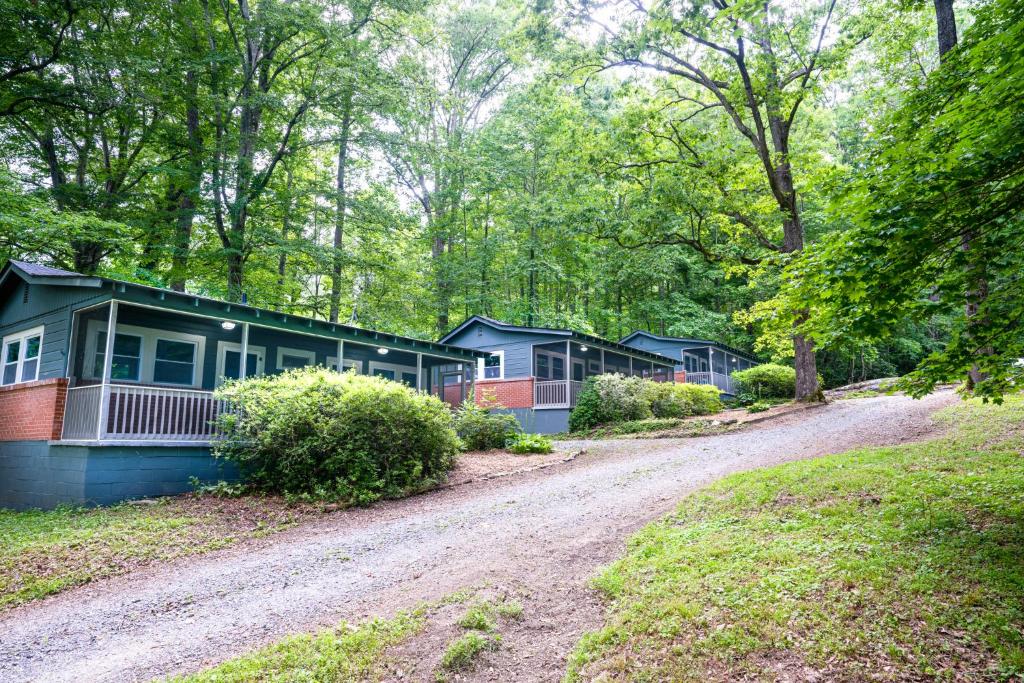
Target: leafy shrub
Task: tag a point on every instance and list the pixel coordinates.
(481, 428)
(529, 443)
(669, 400)
(768, 381)
(609, 398)
(345, 437)
(759, 406)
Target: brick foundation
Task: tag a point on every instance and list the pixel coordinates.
(680, 376)
(33, 411)
(511, 393)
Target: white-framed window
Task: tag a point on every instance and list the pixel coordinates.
(397, 373)
(549, 365)
(19, 356)
(229, 360)
(291, 359)
(145, 355)
(348, 364)
(492, 367)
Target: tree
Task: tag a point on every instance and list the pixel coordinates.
(755, 64)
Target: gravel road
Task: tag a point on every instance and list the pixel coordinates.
(545, 532)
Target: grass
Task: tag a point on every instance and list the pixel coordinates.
(345, 653)
(45, 552)
(888, 564)
(462, 652)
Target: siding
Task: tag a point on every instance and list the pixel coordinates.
(51, 307)
(517, 346)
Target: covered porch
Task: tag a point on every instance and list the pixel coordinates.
(714, 366)
(153, 380)
(561, 367)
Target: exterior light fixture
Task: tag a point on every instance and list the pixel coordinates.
(382, 351)
(584, 348)
(228, 325)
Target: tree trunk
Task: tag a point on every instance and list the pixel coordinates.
(946, 21)
(187, 201)
(341, 207)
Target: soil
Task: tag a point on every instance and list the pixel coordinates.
(539, 534)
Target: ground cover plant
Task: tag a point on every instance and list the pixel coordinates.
(45, 552)
(897, 563)
(523, 444)
(341, 436)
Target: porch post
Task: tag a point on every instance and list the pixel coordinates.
(568, 371)
(419, 370)
(603, 369)
(472, 379)
(630, 366)
(341, 353)
(711, 366)
(108, 356)
(243, 361)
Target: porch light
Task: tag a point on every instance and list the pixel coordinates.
(382, 351)
(228, 325)
(584, 348)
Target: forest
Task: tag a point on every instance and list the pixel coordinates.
(831, 183)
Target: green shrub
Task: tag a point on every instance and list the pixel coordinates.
(767, 381)
(529, 443)
(481, 428)
(344, 437)
(759, 407)
(670, 400)
(609, 398)
(462, 652)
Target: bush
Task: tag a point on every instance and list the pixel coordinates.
(481, 428)
(669, 400)
(346, 437)
(768, 381)
(530, 443)
(759, 407)
(609, 398)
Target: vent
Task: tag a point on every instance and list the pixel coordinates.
(24, 294)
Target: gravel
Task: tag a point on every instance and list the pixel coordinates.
(544, 532)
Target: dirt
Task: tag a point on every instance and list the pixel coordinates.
(540, 534)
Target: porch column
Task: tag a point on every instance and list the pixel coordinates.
(419, 371)
(603, 369)
(243, 361)
(108, 357)
(711, 366)
(472, 379)
(568, 370)
(631, 366)
(341, 353)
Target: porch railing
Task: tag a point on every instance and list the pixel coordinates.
(137, 413)
(724, 382)
(559, 393)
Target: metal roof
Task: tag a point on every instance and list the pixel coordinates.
(187, 303)
(573, 334)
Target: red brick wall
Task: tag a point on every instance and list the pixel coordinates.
(511, 393)
(680, 375)
(33, 411)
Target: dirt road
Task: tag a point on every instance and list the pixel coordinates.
(540, 534)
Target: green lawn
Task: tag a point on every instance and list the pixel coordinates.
(44, 552)
(888, 564)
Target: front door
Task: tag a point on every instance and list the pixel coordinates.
(578, 370)
(451, 387)
(229, 356)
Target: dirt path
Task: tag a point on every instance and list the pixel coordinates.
(540, 535)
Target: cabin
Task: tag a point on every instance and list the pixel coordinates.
(106, 387)
(697, 361)
(537, 372)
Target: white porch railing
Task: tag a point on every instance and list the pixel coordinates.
(138, 413)
(724, 382)
(559, 393)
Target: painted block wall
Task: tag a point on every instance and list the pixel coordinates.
(38, 474)
(548, 421)
(33, 410)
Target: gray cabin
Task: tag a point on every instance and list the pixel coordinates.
(88, 417)
(698, 361)
(537, 372)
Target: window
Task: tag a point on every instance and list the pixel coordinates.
(174, 362)
(409, 378)
(290, 359)
(126, 363)
(347, 365)
(386, 374)
(492, 367)
(543, 370)
(557, 367)
(229, 356)
(145, 355)
(20, 356)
